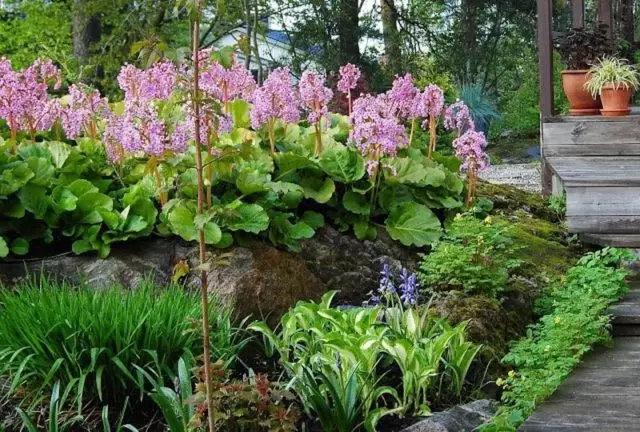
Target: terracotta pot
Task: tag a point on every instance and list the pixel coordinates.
(580, 101)
(615, 102)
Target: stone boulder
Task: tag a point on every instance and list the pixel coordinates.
(351, 266)
(463, 418)
(259, 280)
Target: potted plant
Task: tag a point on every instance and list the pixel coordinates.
(579, 49)
(614, 80)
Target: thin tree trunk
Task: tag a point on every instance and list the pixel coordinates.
(349, 31)
(390, 34)
(86, 31)
(248, 30)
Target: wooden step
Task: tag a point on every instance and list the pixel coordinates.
(617, 240)
(626, 313)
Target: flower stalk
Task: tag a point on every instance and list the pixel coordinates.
(195, 98)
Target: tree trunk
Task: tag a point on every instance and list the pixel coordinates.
(469, 23)
(389, 16)
(349, 32)
(86, 30)
(627, 25)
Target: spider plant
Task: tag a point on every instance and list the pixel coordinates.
(611, 71)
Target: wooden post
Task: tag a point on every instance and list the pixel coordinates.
(545, 58)
(577, 13)
(605, 16)
(545, 65)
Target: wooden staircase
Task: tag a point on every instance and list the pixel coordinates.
(596, 162)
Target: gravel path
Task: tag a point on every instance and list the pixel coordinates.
(523, 176)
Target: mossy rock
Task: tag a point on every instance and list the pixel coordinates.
(543, 247)
(489, 321)
(511, 199)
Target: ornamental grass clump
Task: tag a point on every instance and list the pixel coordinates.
(92, 340)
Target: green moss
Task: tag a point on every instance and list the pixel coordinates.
(510, 199)
(543, 249)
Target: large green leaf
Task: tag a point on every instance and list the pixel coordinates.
(252, 181)
(356, 203)
(13, 176)
(181, 220)
(413, 171)
(342, 164)
(246, 217)
(12, 208)
(42, 169)
(34, 198)
(413, 224)
(4, 248)
(318, 189)
(291, 162)
(212, 233)
(63, 200)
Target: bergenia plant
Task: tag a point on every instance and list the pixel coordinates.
(275, 100)
(24, 101)
(432, 100)
(457, 117)
(80, 114)
(402, 96)
(315, 97)
(224, 82)
(469, 149)
(349, 76)
(141, 128)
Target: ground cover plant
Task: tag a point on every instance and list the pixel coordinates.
(574, 319)
(97, 346)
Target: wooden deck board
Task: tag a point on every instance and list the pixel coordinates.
(603, 393)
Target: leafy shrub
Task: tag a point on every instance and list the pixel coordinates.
(90, 340)
(475, 256)
(332, 357)
(251, 404)
(554, 346)
(558, 205)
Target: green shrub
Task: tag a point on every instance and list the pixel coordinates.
(475, 256)
(96, 343)
(576, 319)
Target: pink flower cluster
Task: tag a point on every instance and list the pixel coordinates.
(469, 149)
(458, 117)
(85, 105)
(140, 128)
(315, 96)
(140, 85)
(224, 84)
(376, 130)
(403, 96)
(349, 76)
(275, 100)
(24, 101)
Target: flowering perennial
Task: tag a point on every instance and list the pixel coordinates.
(224, 84)
(349, 76)
(457, 117)
(470, 150)
(402, 96)
(24, 101)
(275, 100)
(79, 116)
(376, 130)
(315, 97)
